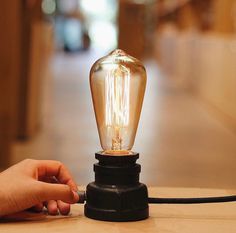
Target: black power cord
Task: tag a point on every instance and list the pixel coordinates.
(197, 200)
(163, 200)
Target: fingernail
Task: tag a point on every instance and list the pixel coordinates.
(76, 196)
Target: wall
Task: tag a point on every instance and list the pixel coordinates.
(204, 64)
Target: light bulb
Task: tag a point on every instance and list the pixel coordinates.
(117, 84)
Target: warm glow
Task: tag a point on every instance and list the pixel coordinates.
(118, 84)
(117, 91)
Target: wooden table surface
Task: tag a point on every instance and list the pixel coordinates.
(163, 218)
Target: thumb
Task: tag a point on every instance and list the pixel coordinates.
(58, 192)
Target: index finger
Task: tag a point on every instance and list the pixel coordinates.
(49, 168)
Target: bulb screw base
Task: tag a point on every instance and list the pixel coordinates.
(116, 194)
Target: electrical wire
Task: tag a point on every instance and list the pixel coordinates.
(197, 200)
(163, 200)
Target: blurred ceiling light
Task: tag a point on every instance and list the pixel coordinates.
(48, 6)
(100, 20)
(99, 8)
(103, 35)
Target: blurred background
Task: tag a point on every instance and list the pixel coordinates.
(187, 131)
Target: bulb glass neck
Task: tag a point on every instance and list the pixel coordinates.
(117, 152)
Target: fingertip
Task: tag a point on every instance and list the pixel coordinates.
(59, 192)
(75, 187)
(52, 207)
(38, 207)
(63, 207)
(76, 196)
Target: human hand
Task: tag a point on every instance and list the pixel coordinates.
(35, 184)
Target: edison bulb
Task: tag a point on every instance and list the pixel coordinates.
(118, 83)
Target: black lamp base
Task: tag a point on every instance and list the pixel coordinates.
(117, 195)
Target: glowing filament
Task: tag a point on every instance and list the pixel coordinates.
(117, 92)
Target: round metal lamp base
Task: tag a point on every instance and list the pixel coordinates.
(117, 195)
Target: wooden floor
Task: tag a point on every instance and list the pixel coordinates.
(181, 143)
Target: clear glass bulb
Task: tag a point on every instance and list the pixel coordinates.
(118, 83)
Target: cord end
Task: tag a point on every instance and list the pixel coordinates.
(82, 196)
